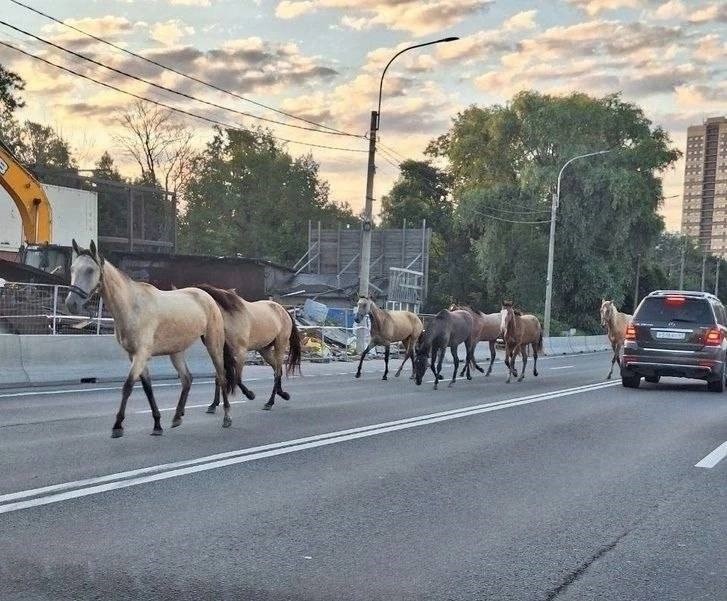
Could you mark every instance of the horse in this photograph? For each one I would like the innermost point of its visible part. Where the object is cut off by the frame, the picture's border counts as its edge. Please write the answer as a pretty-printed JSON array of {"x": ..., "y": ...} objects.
[
  {"x": 615, "y": 324},
  {"x": 447, "y": 329},
  {"x": 485, "y": 328},
  {"x": 263, "y": 326},
  {"x": 519, "y": 331},
  {"x": 150, "y": 322},
  {"x": 388, "y": 327}
]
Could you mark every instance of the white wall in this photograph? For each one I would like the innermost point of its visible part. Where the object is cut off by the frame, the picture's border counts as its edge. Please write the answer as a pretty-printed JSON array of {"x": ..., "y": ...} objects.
[{"x": 75, "y": 215}]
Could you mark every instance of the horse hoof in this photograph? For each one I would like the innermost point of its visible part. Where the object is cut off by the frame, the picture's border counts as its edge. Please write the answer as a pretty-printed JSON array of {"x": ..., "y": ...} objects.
[
  {"x": 117, "y": 433},
  {"x": 158, "y": 432},
  {"x": 226, "y": 422},
  {"x": 440, "y": 377},
  {"x": 250, "y": 395},
  {"x": 267, "y": 406},
  {"x": 211, "y": 409},
  {"x": 397, "y": 374},
  {"x": 177, "y": 421},
  {"x": 284, "y": 395},
  {"x": 535, "y": 373},
  {"x": 358, "y": 375},
  {"x": 385, "y": 378}
]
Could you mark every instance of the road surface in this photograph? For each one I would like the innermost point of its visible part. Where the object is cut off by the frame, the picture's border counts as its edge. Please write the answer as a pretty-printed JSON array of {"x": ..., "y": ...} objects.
[{"x": 561, "y": 487}]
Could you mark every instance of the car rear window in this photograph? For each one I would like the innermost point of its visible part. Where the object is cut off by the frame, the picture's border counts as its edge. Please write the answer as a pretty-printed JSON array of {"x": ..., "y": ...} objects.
[{"x": 675, "y": 309}]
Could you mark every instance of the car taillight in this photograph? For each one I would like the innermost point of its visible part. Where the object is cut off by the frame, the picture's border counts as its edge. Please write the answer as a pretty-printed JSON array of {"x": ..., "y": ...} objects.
[
  {"x": 630, "y": 332},
  {"x": 713, "y": 337}
]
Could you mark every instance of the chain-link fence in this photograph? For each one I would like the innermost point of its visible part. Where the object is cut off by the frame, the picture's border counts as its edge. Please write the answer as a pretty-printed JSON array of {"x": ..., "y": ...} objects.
[{"x": 40, "y": 309}]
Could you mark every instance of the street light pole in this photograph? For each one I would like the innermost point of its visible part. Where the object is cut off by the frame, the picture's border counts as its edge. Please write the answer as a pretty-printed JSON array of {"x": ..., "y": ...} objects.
[
  {"x": 551, "y": 242},
  {"x": 365, "y": 264}
]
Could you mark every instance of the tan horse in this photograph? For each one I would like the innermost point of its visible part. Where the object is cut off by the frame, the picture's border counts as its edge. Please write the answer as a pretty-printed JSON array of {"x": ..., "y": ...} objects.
[
  {"x": 388, "y": 327},
  {"x": 615, "y": 324},
  {"x": 485, "y": 328},
  {"x": 519, "y": 331},
  {"x": 263, "y": 326},
  {"x": 150, "y": 322}
]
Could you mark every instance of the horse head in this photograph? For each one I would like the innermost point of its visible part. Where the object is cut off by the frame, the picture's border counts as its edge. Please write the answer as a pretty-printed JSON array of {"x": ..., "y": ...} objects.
[
  {"x": 507, "y": 314},
  {"x": 363, "y": 308},
  {"x": 421, "y": 357},
  {"x": 607, "y": 311},
  {"x": 86, "y": 276}
]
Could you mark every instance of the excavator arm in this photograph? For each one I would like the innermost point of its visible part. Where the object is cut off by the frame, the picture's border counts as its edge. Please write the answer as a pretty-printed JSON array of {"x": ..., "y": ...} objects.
[{"x": 29, "y": 196}]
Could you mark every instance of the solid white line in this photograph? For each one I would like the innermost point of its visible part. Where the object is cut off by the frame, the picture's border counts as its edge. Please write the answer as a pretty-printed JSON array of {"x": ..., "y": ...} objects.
[
  {"x": 171, "y": 470},
  {"x": 714, "y": 457},
  {"x": 563, "y": 367},
  {"x": 189, "y": 406}
]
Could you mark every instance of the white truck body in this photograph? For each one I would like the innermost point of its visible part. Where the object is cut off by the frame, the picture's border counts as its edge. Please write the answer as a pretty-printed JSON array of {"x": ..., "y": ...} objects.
[{"x": 75, "y": 215}]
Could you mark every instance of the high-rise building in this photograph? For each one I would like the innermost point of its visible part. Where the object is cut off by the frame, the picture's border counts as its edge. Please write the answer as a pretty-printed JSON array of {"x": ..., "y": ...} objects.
[{"x": 704, "y": 209}]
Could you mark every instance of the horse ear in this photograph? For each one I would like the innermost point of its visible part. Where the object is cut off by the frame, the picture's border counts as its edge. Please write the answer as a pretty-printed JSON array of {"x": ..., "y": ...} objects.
[
  {"x": 74, "y": 245},
  {"x": 92, "y": 248}
]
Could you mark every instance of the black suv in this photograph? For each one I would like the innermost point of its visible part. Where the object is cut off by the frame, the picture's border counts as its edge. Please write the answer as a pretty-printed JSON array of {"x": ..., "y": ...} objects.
[{"x": 676, "y": 333}]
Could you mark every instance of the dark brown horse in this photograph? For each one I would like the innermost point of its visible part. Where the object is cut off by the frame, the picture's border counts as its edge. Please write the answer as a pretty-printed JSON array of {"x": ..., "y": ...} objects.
[
  {"x": 519, "y": 331},
  {"x": 447, "y": 329}
]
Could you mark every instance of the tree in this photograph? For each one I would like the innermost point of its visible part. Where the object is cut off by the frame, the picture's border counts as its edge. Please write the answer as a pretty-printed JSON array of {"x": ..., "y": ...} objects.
[
  {"x": 249, "y": 196},
  {"x": 11, "y": 85},
  {"x": 112, "y": 199},
  {"x": 504, "y": 162}
]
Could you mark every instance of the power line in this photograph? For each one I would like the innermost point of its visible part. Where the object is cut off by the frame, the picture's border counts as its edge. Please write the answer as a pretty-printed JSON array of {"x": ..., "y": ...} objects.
[
  {"x": 168, "y": 106},
  {"x": 176, "y": 71},
  {"x": 167, "y": 89}
]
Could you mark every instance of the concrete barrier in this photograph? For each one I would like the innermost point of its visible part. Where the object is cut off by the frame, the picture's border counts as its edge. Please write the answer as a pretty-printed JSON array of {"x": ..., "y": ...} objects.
[{"x": 12, "y": 372}]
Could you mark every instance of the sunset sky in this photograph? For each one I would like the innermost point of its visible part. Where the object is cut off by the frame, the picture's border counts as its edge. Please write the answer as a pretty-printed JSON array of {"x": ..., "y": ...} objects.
[{"x": 321, "y": 59}]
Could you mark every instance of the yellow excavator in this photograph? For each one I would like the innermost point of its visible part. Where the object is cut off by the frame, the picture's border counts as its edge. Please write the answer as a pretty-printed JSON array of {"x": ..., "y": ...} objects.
[{"x": 29, "y": 197}]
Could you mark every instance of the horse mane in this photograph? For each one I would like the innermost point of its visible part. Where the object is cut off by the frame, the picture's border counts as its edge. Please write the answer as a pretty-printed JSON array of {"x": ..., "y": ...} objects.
[
  {"x": 227, "y": 300},
  {"x": 517, "y": 312}
]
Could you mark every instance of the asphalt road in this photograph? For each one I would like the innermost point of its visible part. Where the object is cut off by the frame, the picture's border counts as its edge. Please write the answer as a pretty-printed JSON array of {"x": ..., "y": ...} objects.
[{"x": 561, "y": 487}]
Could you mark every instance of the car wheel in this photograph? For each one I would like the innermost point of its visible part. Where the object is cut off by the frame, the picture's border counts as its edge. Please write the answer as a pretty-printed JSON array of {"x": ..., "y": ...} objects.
[
  {"x": 631, "y": 381},
  {"x": 717, "y": 385},
  {"x": 652, "y": 379}
]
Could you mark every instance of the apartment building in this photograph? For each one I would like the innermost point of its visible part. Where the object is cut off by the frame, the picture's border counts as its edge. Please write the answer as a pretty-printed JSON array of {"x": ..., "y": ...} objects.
[{"x": 704, "y": 209}]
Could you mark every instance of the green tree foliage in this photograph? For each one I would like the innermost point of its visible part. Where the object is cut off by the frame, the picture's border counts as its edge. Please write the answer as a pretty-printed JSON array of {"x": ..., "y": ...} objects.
[
  {"x": 504, "y": 162},
  {"x": 247, "y": 195},
  {"x": 112, "y": 199},
  {"x": 10, "y": 87}
]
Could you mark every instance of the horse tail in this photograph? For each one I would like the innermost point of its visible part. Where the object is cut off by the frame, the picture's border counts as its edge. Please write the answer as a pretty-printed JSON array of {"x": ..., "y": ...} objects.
[
  {"x": 233, "y": 370},
  {"x": 540, "y": 341},
  {"x": 294, "y": 354}
]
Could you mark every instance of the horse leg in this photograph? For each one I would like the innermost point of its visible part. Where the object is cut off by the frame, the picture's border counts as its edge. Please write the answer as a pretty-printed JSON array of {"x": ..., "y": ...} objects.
[
  {"x": 493, "y": 354},
  {"x": 455, "y": 358},
  {"x": 509, "y": 360},
  {"x": 138, "y": 364},
  {"x": 214, "y": 342},
  {"x": 613, "y": 360},
  {"x": 363, "y": 356},
  {"x": 524, "y": 353},
  {"x": 146, "y": 385},
  {"x": 181, "y": 366},
  {"x": 274, "y": 360},
  {"x": 440, "y": 360},
  {"x": 535, "y": 359},
  {"x": 387, "y": 350},
  {"x": 407, "y": 342}
]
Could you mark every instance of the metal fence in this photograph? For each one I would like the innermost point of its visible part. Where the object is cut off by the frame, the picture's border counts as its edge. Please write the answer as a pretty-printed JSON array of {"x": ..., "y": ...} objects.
[{"x": 40, "y": 309}]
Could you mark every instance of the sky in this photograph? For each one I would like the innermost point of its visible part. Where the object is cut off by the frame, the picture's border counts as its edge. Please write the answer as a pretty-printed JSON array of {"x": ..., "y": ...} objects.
[{"x": 322, "y": 59}]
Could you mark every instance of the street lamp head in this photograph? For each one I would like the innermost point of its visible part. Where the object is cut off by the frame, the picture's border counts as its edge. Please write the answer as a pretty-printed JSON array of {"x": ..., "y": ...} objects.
[{"x": 450, "y": 39}]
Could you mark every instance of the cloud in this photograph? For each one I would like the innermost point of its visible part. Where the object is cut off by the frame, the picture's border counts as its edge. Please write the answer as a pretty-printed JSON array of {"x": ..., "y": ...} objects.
[
  {"x": 202, "y": 3},
  {"x": 674, "y": 9},
  {"x": 522, "y": 20},
  {"x": 715, "y": 12},
  {"x": 170, "y": 32},
  {"x": 415, "y": 16},
  {"x": 594, "y": 7},
  {"x": 108, "y": 27}
]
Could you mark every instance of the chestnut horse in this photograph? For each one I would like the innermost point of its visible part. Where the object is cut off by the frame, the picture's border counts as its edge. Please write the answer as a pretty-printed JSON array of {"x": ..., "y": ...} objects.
[
  {"x": 263, "y": 326},
  {"x": 485, "y": 328},
  {"x": 519, "y": 331},
  {"x": 615, "y": 324},
  {"x": 447, "y": 329},
  {"x": 150, "y": 322},
  {"x": 388, "y": 327}
]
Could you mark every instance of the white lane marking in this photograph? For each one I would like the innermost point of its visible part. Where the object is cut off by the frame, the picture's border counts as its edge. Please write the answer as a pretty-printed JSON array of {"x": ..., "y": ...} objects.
[
  {"x": 181, "y": 468},
  {"x": 714, "y": 457},
  {"x": 563, "y": 367}
]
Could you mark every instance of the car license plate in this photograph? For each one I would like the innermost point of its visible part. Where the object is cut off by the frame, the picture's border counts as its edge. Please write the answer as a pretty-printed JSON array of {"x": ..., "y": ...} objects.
[{"x": 671, "y": 335}]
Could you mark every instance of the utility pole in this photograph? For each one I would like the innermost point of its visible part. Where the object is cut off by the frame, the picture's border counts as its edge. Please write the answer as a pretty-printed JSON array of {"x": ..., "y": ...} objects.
[
  {"x": 704, "y": 269},
  {"x": 681, "y": 269}
]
